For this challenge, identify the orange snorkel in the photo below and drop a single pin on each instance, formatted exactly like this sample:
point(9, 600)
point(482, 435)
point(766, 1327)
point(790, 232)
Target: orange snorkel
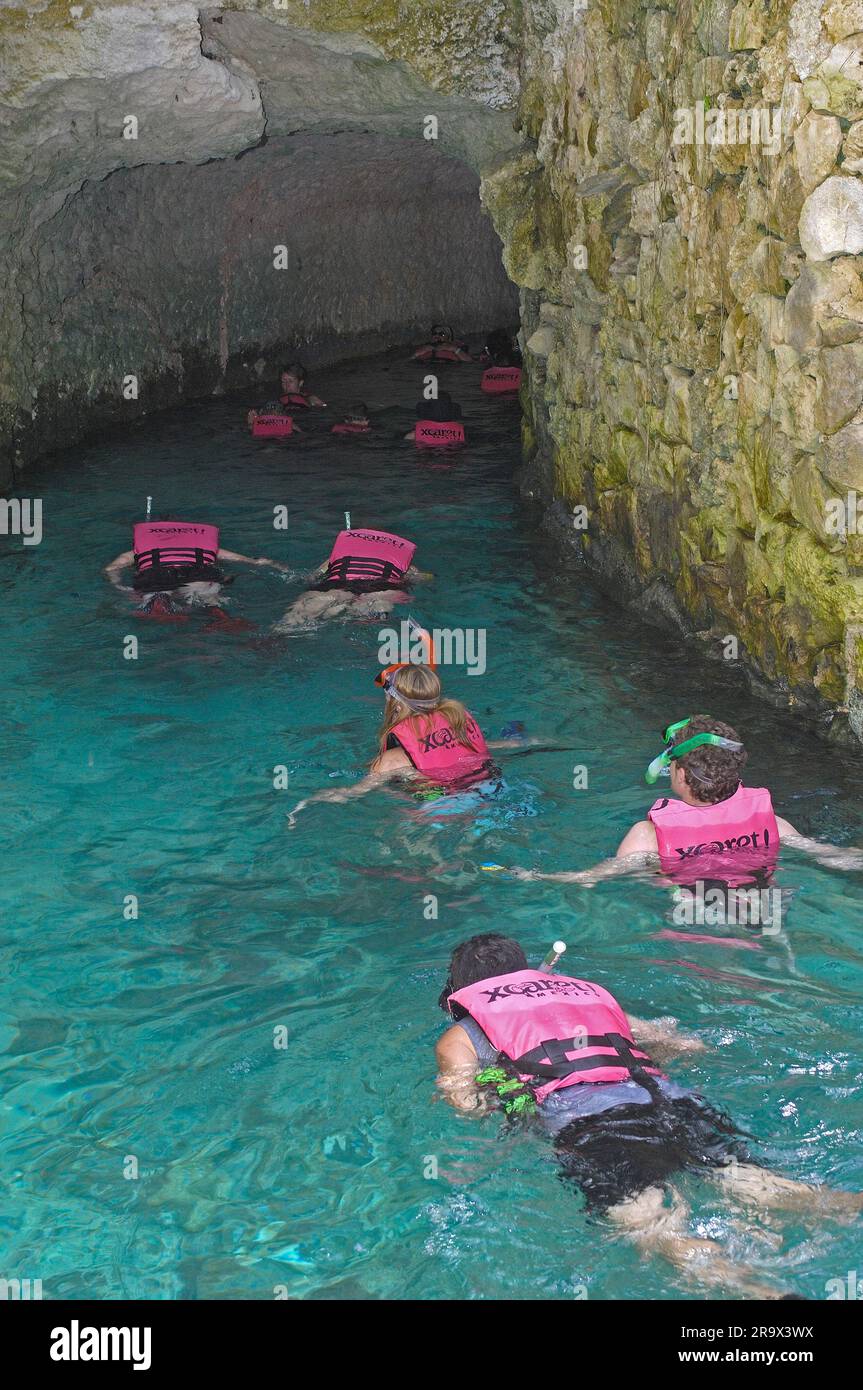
point(416, 631)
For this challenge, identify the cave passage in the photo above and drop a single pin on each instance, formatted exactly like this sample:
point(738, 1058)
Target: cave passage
point(152, 782)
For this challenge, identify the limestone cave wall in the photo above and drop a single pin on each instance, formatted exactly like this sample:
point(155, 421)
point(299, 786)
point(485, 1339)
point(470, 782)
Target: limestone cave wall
point(692, 304)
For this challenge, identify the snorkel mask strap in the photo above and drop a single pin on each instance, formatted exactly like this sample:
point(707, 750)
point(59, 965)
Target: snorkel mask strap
point(661, 765)
point(417, 706)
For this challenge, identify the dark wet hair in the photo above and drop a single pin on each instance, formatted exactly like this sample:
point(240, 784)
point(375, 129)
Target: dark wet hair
point(501, 349)
point(295, 369)
point(442, 330)
point(712, 774)
point(480, 958)
point(358, 411)
point(443, 407)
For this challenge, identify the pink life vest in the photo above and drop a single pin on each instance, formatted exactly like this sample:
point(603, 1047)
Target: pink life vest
point(437, 432)
point(436, 752)
point(346, 428)
point(499, 380)
point(434, 353)
point(737, 835)
point(272, 426)
point(178, 544)
point(555, 1027)
point(295, 398)
point(368, 556)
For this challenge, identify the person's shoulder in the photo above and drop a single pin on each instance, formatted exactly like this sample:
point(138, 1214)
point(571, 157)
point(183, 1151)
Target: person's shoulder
point(455, 1047)
point(639, 839)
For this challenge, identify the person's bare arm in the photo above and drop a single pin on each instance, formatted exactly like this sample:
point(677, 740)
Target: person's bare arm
point(414, 573)
point(517, 741)
point(660, 1038)
point(390, 764)
point(607, 868)
point(637, 850)
point(831, 856)
point(114, 571)
point(457, 1068)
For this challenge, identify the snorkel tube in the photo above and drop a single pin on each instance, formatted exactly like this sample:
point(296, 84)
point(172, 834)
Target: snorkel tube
point(661, 765)
point(553, 956)
point(515, 1095)
point(385, 677)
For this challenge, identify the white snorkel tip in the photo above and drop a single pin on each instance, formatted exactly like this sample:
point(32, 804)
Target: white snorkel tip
point(553, 956)
point(347, 521)
point(149, 507)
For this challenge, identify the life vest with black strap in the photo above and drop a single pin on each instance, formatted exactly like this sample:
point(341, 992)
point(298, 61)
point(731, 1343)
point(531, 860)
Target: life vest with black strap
point(175, 545)
point(556, 1030)
point(369, 557)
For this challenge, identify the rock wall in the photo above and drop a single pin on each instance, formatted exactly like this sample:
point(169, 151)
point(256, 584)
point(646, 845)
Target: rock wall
point(686, 231)
point(186, 197)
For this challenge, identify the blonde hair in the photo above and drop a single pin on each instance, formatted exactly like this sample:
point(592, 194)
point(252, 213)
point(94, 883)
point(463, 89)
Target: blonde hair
point(422, 683)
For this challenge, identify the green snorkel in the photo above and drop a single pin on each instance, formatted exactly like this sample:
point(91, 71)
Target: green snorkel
point(661, 765)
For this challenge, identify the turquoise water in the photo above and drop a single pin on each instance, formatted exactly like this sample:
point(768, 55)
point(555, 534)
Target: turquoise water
point(303, 1168)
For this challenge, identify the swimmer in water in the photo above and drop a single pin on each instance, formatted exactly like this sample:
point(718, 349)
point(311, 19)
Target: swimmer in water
point(442, 410)
point(367, 574)
point(501, 350)
point(293, 382)
point(356, 420)
point(272, 408)
point(562, 1050)
point(177, 566)
point(442, 347)
point(714, 824)
point(431, 740)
